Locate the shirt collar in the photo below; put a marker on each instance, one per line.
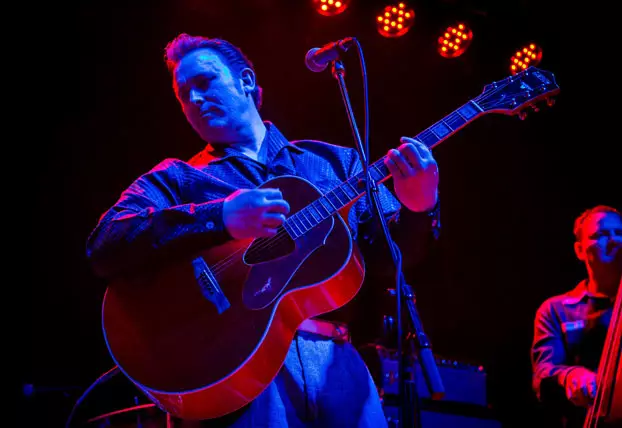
(273, 141)
(579, 293)
(276, 141)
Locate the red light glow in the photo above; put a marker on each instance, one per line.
(454, 40)
(525, 57)
(395, 21)
(330, 7)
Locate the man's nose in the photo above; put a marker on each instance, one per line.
(195, 97)
(614, 241)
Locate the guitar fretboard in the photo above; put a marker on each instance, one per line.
(334, 200)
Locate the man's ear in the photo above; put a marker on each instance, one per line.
(248, 80)
(579, 251)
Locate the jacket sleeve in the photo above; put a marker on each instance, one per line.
(149, 222)
(548, 354)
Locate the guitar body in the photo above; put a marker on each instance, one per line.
(200, 357)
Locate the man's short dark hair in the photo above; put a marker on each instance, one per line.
(231, 55)
(578, 224)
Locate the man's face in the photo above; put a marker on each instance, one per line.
(212, 97)
(600, 243)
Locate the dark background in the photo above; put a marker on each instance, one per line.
(510, 189)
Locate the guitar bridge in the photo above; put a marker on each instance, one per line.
(209, 286)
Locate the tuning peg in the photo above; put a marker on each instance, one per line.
(522, 115)
(550, 102)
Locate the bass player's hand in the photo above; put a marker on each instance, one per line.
(254, 213)
(580, 386)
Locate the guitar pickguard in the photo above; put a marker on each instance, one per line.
(271, 270)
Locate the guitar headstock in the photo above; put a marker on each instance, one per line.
(514, 94)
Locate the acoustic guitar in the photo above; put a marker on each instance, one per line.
(204, 335)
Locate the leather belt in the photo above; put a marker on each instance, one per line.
(327, 329)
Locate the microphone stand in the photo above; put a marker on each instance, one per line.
(407, 397)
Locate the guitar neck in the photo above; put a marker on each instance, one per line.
(431, 137)
(354, 187)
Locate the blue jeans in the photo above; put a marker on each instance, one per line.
(323, 383)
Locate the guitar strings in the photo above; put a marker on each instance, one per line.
(282, 233)
(267, 243)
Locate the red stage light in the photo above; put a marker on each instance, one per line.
(330, 7)
(525, 57)
(395, 20)
(455, 40)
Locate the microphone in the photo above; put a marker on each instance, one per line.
(317, 59)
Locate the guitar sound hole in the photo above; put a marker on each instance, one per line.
(267, 249)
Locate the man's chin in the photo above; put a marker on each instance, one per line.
(607, 262)
(612, 267)
(217, 130)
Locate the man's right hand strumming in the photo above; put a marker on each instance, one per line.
(580, 386)
(254, 213)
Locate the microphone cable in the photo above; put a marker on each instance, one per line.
(103, 378)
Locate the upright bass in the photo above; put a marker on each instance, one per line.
(606, 411)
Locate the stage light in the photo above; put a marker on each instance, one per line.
(395, 20)
(330, 7)
(455, 40)
(525, 57)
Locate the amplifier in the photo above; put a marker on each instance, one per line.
(464, 383)
(465, 404)
(432, 419)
